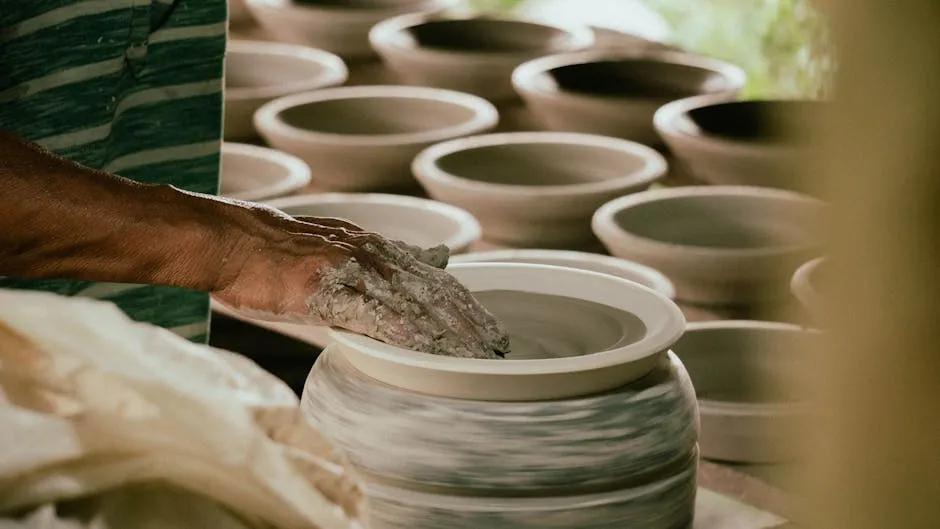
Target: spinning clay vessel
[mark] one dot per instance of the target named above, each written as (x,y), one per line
(589,422)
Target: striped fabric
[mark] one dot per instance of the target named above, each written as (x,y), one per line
(129,86)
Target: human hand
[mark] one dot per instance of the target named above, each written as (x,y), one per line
(326,271)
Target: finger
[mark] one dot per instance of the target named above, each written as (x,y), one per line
(346,308)
(438,256)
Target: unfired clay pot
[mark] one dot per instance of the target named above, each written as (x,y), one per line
(749,386)
(805,286)
(416,221)
(536,189)
(741,142)
(257,72)
(593,262)
(616,92)
(474,54)
(339,26)
(365,137)
(611,39)
(592,426)
(720,245)
(256,173)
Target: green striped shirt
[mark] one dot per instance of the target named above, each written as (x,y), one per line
(133,87)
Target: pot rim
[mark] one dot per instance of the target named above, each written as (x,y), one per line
(336,72)
(468,228)
(663,319)
(427,170)
(607,229)
(298,172)
(524,75)
(580,36)
(668,118)
(485,115)
(660,282)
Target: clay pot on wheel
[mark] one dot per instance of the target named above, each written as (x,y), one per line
(589,422)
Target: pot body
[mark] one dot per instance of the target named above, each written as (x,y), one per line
(626,457)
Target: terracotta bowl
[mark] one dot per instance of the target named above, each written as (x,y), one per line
(417,221)
(475,54)
(805,285)
(616,92)
(257,72)
(740,142)
(593,262)
(749,387)
(536,189)
(720,245)
(339,26)
(365,137)
(255,173)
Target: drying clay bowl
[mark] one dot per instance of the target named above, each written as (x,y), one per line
(256,173)
(747,378)
(634,434)
(666,504)
(612,39)
(573,332)
(365,137)
(720,245)
(604,264)
(616,92)
(341,27)
(536,189)
(257,72)
(740,142)
(805,285)
(416,221)
(474,54)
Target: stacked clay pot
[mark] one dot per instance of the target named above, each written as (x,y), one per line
(594,427)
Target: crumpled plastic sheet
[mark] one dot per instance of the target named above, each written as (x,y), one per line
(107,423)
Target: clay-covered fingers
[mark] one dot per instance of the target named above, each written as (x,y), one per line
(437,256)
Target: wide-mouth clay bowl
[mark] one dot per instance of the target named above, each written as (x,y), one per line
(720,245)
(621,41)
(339,26)
(754,142)
(806,285)
(255,173)
(604,264)
(475,54)
(257,72)
(536,189)
(416,221)
(365,137)
(747,377)
(616,92)
(573,332)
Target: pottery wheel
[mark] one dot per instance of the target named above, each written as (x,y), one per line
(622,436)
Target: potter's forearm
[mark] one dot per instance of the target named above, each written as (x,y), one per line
(62,220)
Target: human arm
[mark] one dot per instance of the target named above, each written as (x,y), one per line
(63,220)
